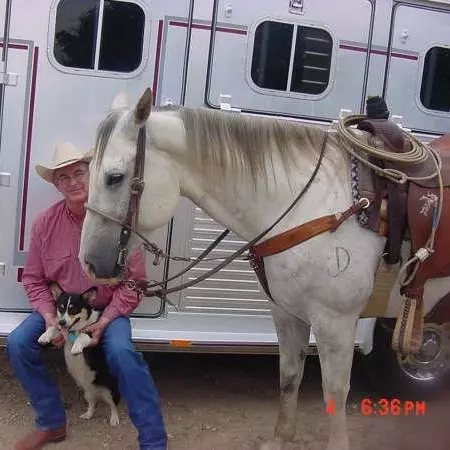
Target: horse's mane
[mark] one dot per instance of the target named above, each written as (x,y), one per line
(219,140)
(104,131)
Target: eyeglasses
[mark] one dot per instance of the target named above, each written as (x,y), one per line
(77,176)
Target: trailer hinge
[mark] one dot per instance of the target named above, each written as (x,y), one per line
(8,78)
(225,103)
(2,269)
(296,6)
(5,179)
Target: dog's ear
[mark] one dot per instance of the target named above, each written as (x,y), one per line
(55,288)
(90,294)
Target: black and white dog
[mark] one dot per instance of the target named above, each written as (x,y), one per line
(87,365)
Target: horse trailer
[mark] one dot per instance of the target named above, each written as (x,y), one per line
(64,61)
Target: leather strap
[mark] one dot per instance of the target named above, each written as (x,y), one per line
(294,236)
(304,232)
(137,186)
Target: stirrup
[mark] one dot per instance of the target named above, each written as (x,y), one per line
(408,332)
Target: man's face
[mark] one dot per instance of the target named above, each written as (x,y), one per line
(73,182)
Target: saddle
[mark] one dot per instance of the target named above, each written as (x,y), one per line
(407,211)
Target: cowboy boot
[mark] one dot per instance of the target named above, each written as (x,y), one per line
(37,439)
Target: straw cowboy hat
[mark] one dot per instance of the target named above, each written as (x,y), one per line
(64,155)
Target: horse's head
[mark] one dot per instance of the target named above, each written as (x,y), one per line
(113,178)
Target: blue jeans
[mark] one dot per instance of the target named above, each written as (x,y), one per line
(135,382)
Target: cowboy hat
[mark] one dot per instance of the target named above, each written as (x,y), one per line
(64,155)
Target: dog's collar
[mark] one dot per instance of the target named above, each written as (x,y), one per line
(72,336)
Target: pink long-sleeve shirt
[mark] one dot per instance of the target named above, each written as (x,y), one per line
(53,256)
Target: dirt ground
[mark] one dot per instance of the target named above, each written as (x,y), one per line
(225,402)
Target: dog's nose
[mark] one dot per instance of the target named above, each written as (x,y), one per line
(62,322)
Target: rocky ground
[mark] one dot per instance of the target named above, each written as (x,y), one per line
(228,403)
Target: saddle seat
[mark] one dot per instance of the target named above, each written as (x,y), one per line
(407,211)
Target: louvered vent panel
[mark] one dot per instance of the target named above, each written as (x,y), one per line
(235,288)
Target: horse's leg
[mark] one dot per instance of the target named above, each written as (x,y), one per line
(293,336)
(335,342)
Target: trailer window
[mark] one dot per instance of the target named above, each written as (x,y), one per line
(99,35)
(292,58)
(435,90)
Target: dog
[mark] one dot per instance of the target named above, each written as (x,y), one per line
(87,365)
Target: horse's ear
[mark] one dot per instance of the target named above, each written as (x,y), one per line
(120,101)
(143,107)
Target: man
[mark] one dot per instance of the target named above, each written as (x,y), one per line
(53,256)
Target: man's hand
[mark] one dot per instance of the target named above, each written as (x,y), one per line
(50,321)
(96,330)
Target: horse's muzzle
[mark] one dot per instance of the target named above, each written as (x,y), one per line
(102,268)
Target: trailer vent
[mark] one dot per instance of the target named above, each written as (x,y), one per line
(291,58)
(234,289)
(435,90)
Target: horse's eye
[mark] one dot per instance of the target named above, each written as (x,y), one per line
(114,178)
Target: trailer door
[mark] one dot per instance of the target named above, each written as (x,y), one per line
(16,130)
(418,78)
(300,58)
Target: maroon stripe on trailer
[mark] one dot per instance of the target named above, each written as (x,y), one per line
(16,46)
(28,149)
(404,56)
(208,27)
(157,59)
(354,48)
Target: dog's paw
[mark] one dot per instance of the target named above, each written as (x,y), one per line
(114,420)
(77,349)
(46,338)
(48,335)
(43,339)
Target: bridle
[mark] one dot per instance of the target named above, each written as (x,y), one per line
(131,219)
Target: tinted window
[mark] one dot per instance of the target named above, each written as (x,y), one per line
(309,71)
(122,30)
(271,55)
(435,90)
(121,51)
(76,33)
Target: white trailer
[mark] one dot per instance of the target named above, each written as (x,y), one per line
(63,62)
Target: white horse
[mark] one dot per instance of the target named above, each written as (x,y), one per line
(244,172)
